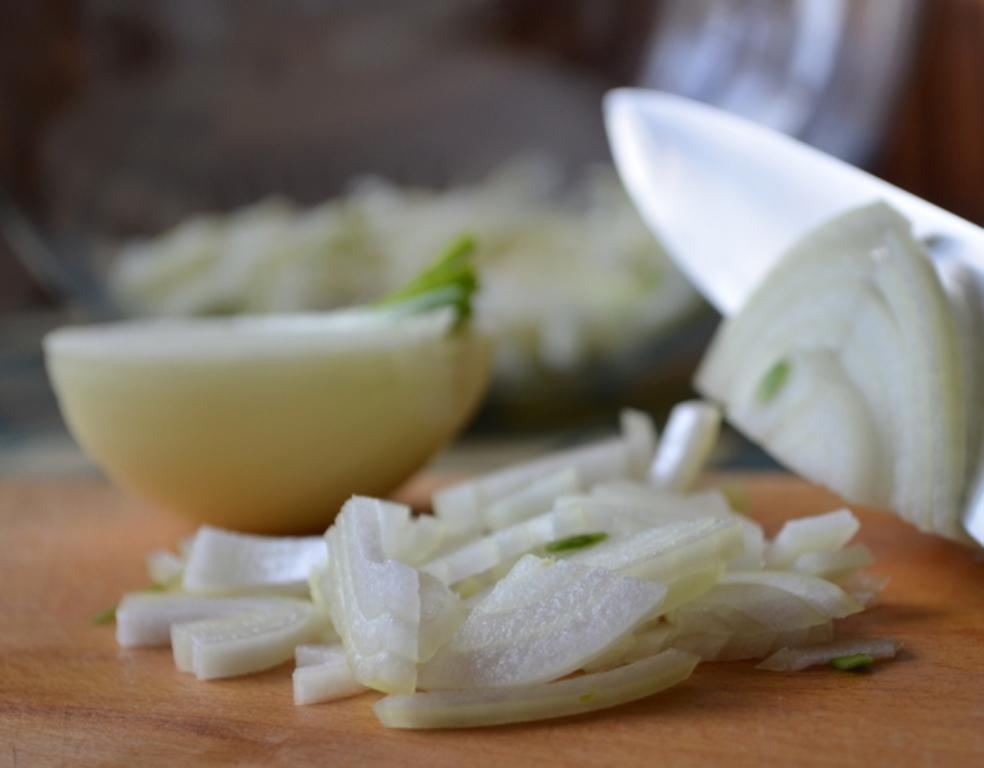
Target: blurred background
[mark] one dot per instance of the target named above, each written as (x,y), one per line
(218,156)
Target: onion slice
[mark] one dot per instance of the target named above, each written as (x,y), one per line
(502,547)
(461,506)
(323,674)
(390,616)
(795,659)
(828,532)
(587,693)
(534,498)
(374,600)
(246,642)
(544,620)
(223,562)
(165,567)
(669,551)
(834,566)
(146,618)
(690,435)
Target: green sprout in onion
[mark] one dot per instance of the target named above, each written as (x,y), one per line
(773,381)
(108,615)
(448,282)
(856,662)
(576,542)
(105,616)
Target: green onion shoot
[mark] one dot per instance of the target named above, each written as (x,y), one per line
(773,381)
(576,542)
(856,662)
(108,615)
(450,281)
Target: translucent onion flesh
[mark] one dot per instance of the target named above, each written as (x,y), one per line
(795,659)
(542,621)
(690,435)
(222,561)
(498,706)
(845,364)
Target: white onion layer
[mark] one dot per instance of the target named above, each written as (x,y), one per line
(497,706)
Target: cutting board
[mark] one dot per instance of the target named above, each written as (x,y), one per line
(69,696)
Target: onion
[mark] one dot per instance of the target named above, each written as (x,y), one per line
(242,643)
(312,654)
(641,499)
(750,608)
(375,601)
(542,621)
(461,506)
(502,547)
(226,562)
(640,440)
(532,499)
(465,709)
(864,588)
(819,533)
(827,598)
(687,442)
(669,551)
(795,659)
(750,644)
(410,539)
(146,618)
(845,365)
(644,643)
(834,566)
(165,567)
(441,613)
(323,674)
(614,577)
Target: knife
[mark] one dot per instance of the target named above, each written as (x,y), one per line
(727,197)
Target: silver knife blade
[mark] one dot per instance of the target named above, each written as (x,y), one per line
(727,197)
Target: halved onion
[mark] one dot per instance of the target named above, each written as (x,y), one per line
(845,365)
(497,706)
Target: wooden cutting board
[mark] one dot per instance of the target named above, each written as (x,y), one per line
(69,696)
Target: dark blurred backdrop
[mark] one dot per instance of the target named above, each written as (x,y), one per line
(124,117)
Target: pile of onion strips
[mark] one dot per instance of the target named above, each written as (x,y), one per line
(575,582)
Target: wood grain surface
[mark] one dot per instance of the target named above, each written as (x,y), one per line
(69,696)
